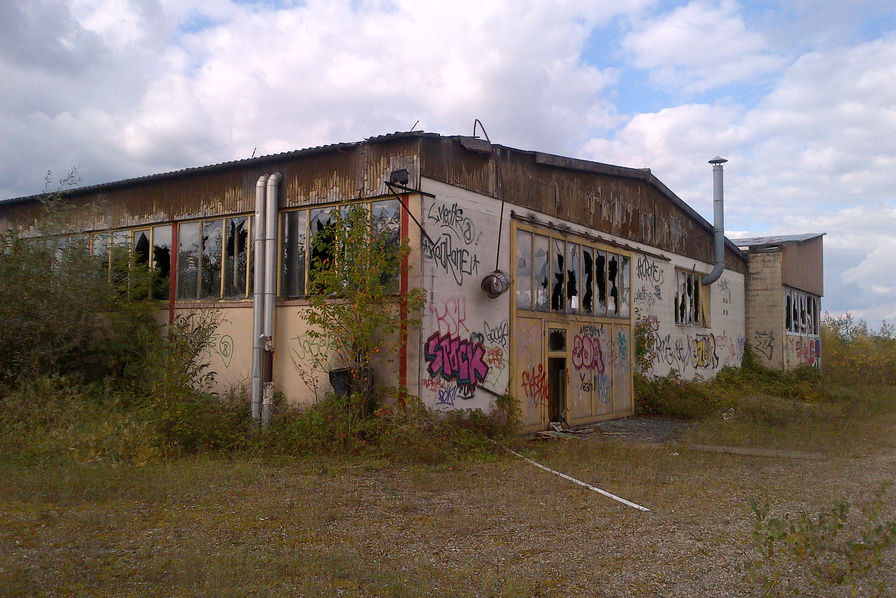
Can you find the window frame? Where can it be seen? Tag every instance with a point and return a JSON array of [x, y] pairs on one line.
[[589, 285], [368, 204], [693, 313], [802, 312]]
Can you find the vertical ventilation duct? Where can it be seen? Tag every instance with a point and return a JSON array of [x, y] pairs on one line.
[[718, 204], [270, 284], [258, 295]]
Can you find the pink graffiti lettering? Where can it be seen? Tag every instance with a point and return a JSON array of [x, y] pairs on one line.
[[451, 316], [454, 358], [587, 354]]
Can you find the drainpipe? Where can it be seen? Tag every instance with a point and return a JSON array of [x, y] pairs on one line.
[[258, 295], [270, 287], [718, 205]]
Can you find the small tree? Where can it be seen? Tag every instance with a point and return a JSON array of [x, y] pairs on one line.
[[354, 305]]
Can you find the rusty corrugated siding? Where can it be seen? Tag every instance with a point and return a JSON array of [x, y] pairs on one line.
[[804, 265], [625, 202], [336, 173]]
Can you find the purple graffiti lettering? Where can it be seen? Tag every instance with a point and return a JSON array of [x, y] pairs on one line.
[[454, 358]]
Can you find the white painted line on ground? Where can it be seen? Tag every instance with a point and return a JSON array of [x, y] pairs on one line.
[[575, 481]]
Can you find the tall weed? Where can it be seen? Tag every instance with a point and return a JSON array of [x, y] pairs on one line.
[[856, 354]]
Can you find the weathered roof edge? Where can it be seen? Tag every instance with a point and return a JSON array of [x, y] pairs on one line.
[[776, 240], [546, 159], [172, 174], [643, 174]]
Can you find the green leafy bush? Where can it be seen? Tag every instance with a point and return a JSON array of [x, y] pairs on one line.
[[854, 353], [673, 396]]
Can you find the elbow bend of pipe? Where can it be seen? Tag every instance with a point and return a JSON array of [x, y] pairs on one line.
[[714, 275]]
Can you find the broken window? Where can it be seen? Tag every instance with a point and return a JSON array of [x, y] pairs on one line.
[[236, 257], [523, 269], [189, 244], [212, 249], [691, 299], [322, 239], [119, 259], [587, 280], [385, 222], [541, 267], [600, 277], [292, 253], [569, 277], [801, 315], [613, 285], [558, 287], [623, 284], [572, 277], [308, 242], [161, 261]]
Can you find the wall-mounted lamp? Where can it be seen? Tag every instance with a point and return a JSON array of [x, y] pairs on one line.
[[399, 177], [496, 284]]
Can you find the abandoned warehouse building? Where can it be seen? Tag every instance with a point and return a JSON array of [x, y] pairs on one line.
[[540, 271]]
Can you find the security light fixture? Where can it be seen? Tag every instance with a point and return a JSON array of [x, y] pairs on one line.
[[399, 177]]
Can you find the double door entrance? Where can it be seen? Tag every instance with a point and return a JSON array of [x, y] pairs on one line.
[[572, 371]]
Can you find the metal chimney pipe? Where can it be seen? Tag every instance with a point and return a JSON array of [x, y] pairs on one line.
[[718, 204], [258, 296], [270, 290]]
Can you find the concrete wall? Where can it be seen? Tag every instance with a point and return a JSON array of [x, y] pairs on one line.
[[692, 351], [464, 334], [765, 308]]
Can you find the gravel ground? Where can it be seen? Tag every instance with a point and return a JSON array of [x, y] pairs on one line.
[[506, 528]]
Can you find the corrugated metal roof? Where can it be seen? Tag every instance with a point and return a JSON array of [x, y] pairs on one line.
[[775, 240], [334, 147]]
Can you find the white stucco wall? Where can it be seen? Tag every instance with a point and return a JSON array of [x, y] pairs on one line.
[[464, 334], [690, 350]]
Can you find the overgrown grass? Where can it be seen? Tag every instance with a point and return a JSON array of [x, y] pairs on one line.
[[801, 409]]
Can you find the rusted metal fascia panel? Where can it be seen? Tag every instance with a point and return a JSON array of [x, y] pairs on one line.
[[261, 163], [588, 166]]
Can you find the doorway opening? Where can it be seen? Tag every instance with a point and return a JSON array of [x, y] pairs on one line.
[[557, 389]]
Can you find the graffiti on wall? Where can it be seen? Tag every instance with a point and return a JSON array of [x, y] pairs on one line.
[[535, 385], [704, 351], [587, 353], [222, 345], [692, 351], [807, 351], [459, 262], [622, 346], [647, 296], [307, 348], [764, 343], [450, 316], [456, 359], [649, 271], [652, 277], [454, 249], [498, 334], [451, 217]]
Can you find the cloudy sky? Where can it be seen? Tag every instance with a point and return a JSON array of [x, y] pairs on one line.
[[799, 95]]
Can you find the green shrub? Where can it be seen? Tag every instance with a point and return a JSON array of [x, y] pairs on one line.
[[698, 399], [856, 354], [406, 432]]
